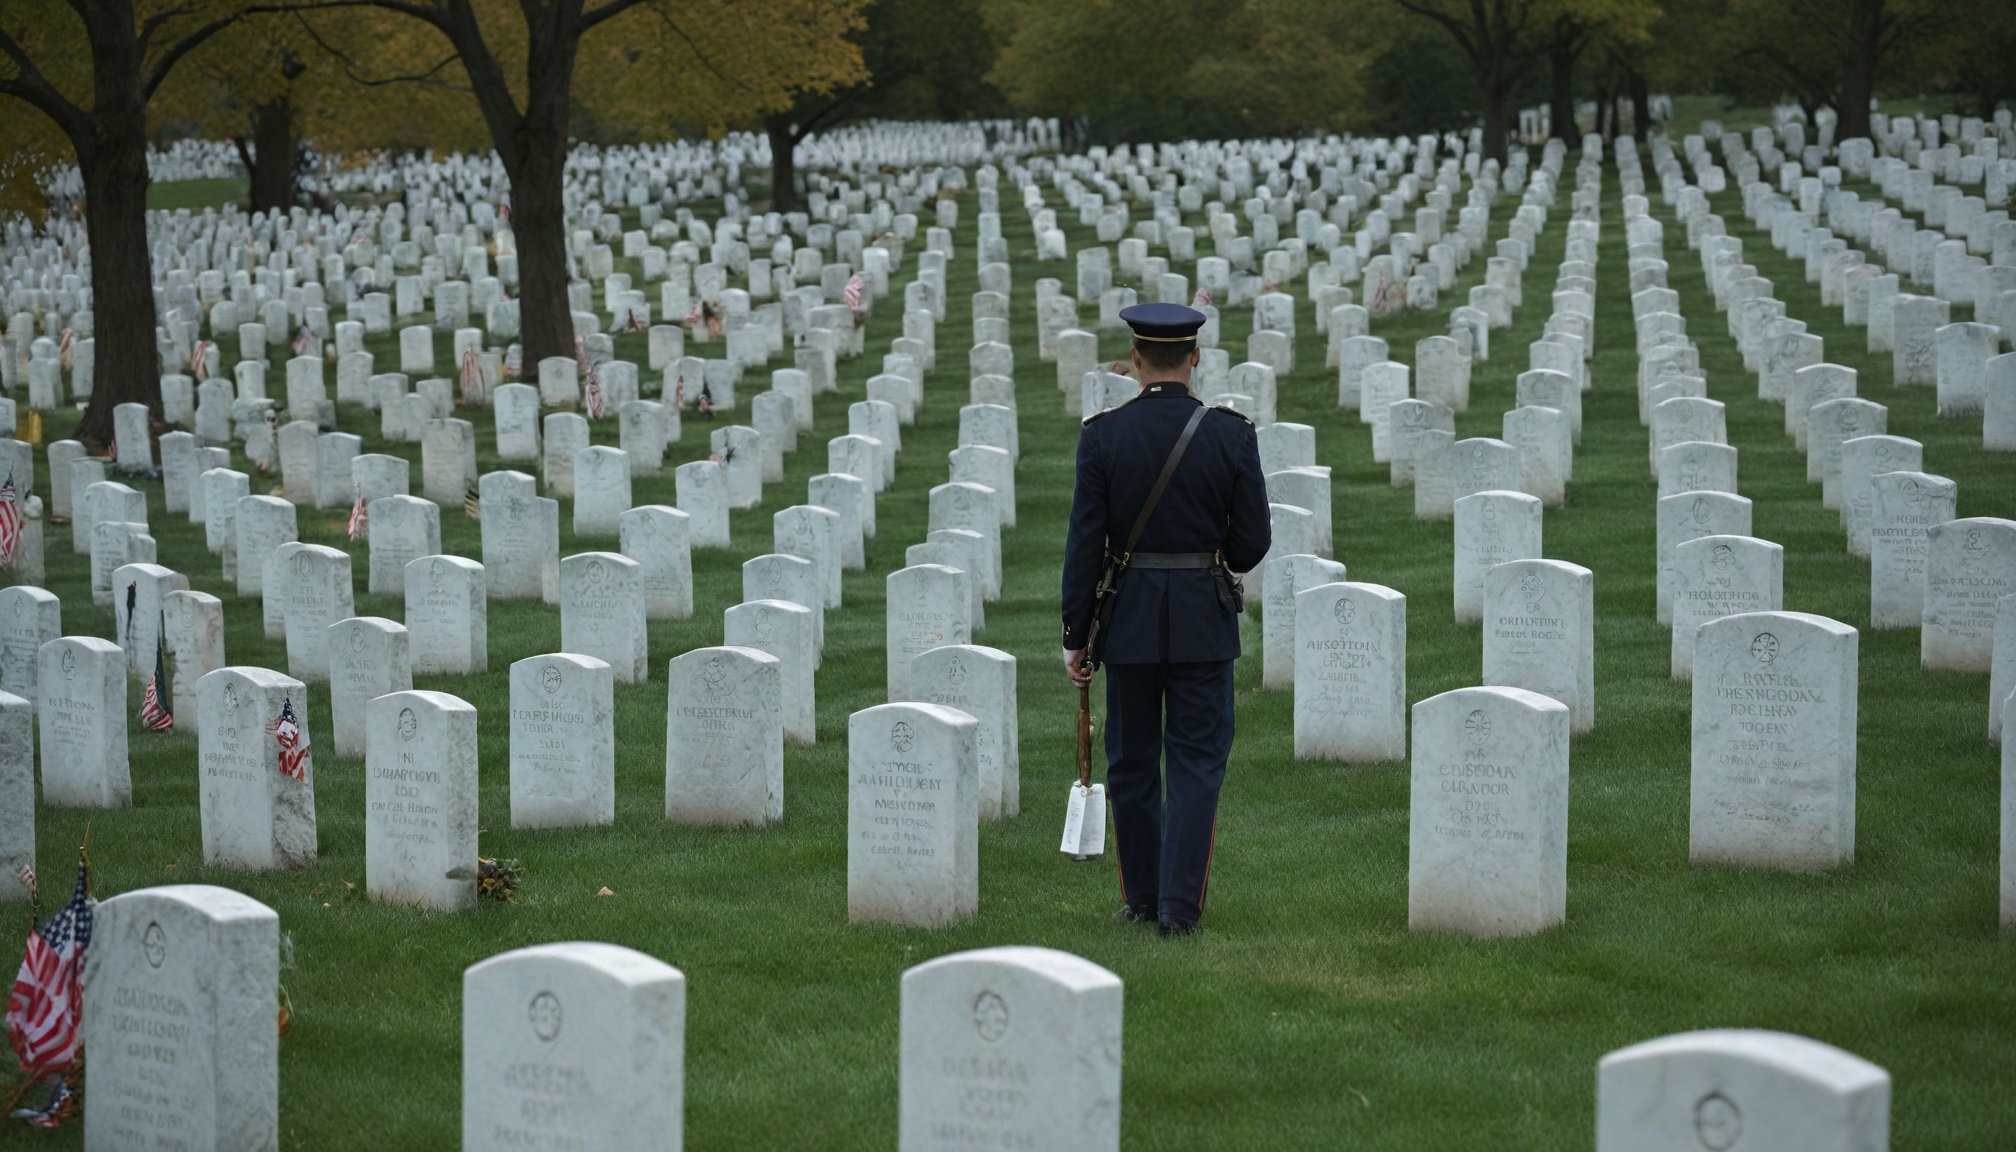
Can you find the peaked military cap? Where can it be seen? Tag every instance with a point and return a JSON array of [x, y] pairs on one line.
[[1163, 323]]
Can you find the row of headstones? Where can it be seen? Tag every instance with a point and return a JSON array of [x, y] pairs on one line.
[[1926, 349], [727, 715], [1959, 360], [1927, 569], [1034, 1033], [1708, 564], [1713, 572], [1233, 275]]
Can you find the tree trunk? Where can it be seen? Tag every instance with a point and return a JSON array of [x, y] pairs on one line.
[[538, 221], [1497, 93], [272, 171], [128, 367], [1561, 93], [1641, 105], [783, 164], [1858, 69]]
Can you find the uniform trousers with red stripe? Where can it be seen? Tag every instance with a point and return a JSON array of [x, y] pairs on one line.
[[1168, 734]]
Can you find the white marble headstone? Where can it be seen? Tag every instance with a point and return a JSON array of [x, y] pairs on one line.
[[1773, 782], [369, 656], [1010, 1047], [573, 1045], [1350, 665], [1540, 633], [420, 800], [82, 715], [602, 612], [258, 811], [912, 815], [563, 742], [1740, 1089], [195, 970], [1487, 846], [724, 737]]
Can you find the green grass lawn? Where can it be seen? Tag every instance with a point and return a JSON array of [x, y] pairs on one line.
[[1307, 1016], [196, 195]]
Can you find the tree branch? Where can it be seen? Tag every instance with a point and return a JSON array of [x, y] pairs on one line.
[[33, 88], [352, 73], [427, 13], [695, 49], [593, 16], [155, 22], [187, 45], [846, 98], [1448, 22]]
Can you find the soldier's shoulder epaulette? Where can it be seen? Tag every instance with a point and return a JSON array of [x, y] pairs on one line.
[[1232, 412], [1105, 412]]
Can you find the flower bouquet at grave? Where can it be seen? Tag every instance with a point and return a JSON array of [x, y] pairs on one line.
[[497, 880]]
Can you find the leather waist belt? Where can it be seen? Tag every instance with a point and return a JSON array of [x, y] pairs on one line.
[[1173, 560]]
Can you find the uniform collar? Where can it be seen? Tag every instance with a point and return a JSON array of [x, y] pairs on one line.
[[1161, 388]]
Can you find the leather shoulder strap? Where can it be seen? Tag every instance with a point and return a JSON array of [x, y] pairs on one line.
[[1162, 481]]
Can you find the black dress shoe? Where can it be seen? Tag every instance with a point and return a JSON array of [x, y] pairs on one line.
[[1179, 928], [1132, 915]]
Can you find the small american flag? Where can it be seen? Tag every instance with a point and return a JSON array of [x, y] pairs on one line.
[[10, 522], [358, 520], [851, 295], [154, 713], [1202, 299], [304, 340], [473, 390], [293, 741], [199, 355], [592, 398], [504, 212], [697, 314], [63, 348], [47, 1003], [1379, 294], [472, 503]]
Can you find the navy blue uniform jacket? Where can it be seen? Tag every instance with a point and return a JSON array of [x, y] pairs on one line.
[[1216, 502]]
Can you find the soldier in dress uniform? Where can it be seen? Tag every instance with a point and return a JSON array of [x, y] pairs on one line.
[[1173, 634]]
